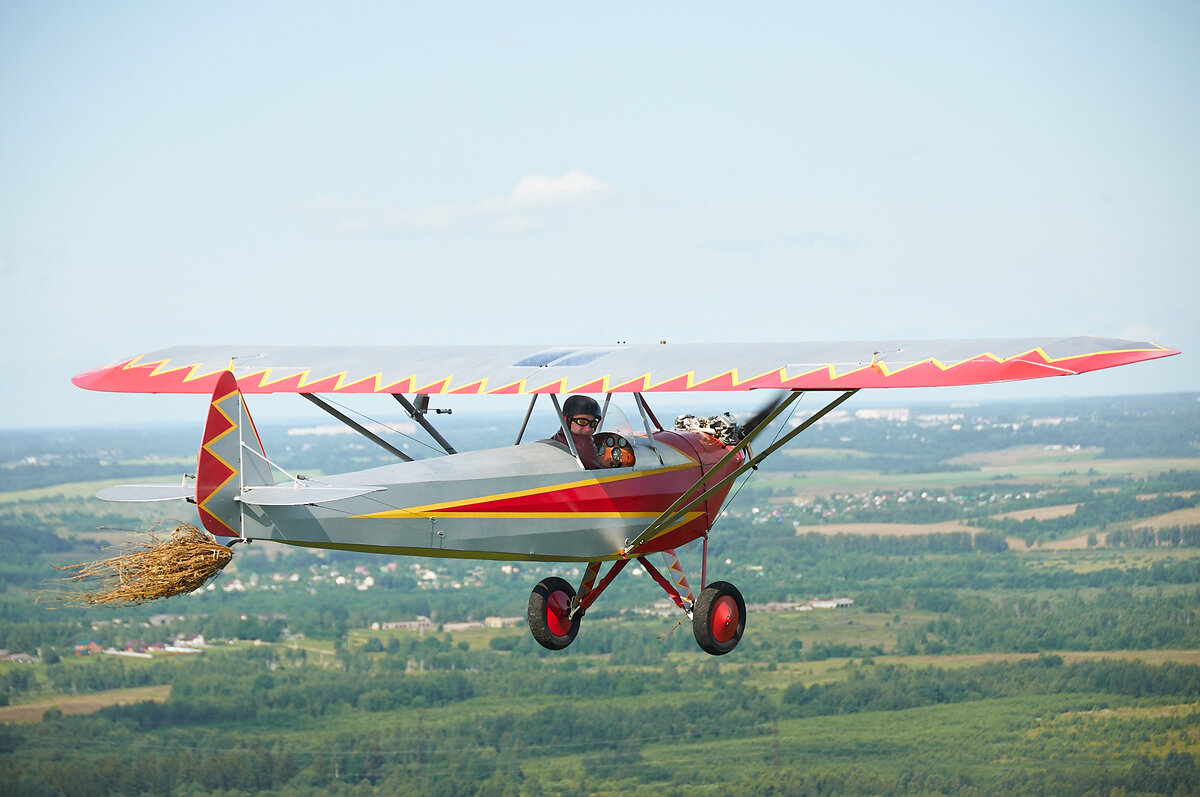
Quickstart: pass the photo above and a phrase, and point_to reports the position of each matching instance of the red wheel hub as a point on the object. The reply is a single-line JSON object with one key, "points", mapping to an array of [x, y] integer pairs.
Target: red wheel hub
{"points": [[723, 619], [558, 610]]}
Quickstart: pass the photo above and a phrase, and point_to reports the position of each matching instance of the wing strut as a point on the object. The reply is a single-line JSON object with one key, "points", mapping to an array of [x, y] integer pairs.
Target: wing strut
{"points": [[525, 423], [419, 417], [562, 422], [676, 511], [643, 409], [604, 410], [358, 427]]}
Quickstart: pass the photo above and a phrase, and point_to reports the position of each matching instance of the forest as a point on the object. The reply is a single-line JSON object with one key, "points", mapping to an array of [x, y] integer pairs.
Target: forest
{"points": [[1024, 620]]}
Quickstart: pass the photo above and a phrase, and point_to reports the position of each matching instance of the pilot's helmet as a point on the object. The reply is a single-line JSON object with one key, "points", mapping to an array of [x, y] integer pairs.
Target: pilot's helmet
{"points": [[581, 405]]}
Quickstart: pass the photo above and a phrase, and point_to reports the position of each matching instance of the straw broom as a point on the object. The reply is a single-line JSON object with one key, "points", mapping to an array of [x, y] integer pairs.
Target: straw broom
{"points": [[149, 569]]}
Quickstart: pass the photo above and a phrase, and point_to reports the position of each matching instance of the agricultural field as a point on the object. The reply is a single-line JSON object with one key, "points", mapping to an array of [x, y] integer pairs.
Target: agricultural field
{"points": [[1024, 621]]}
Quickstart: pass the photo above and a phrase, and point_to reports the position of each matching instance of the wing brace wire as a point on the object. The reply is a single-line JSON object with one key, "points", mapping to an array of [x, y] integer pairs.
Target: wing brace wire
{"points": [[358, 427], [419, 417], [683, 504], [656, 525]]}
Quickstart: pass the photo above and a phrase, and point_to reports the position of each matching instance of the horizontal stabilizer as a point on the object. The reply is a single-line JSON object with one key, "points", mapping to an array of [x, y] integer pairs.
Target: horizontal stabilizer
{"points": [[146, 492], [300, 493]]}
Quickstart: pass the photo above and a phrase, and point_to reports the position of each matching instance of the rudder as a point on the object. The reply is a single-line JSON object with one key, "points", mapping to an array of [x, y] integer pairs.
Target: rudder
{"points": [[231, 457]]}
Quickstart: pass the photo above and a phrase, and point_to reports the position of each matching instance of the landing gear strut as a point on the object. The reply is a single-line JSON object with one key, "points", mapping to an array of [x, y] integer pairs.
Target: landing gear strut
{"points": [[718, 614]]}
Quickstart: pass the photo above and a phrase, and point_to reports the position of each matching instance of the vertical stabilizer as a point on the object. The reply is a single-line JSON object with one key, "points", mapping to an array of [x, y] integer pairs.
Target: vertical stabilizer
{"points": [[231, 457]]}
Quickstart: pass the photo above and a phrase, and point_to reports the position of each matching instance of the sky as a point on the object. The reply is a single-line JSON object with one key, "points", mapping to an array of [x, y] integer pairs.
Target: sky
{"points": [[554, 173]]}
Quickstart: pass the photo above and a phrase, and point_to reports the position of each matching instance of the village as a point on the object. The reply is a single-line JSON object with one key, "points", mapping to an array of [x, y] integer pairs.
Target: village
{"points": [[194, 643]]}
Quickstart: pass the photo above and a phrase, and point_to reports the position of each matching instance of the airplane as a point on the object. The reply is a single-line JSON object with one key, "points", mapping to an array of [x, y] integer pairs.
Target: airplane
{"points": [[535, 500]]}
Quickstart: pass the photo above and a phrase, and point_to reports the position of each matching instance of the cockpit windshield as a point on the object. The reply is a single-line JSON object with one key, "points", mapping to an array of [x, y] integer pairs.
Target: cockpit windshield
{"points": [[615, 420]]}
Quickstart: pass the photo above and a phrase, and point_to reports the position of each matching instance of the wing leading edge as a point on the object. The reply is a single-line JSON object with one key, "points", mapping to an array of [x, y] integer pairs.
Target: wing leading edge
{"points": [[643, 368]]}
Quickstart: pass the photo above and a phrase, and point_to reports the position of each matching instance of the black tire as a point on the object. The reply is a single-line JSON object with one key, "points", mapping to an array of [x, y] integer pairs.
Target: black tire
{"points": [[549, 604], [719, 618]]}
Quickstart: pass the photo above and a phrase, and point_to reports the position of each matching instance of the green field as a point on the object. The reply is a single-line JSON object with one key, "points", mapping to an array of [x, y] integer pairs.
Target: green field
{"points": [[1054, 656], [1020, 466]]}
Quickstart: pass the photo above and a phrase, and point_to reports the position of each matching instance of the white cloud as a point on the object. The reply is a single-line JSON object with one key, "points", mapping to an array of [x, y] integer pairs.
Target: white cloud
{"points": [[524, 209], [576, 187], [513, 224], [435, 218], [327, 204], [1142, 332]]}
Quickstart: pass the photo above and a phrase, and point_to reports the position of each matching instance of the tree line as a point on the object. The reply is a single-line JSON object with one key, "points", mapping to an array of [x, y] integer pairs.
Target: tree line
{"points": [[208, 739]]}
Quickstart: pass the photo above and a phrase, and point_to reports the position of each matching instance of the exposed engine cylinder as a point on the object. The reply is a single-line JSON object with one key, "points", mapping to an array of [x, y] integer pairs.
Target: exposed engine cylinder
{"points": [[724, 427]]}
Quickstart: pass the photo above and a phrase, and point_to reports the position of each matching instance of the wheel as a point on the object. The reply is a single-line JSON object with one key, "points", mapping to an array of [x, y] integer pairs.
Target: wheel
{"points": [[719, 618], [549, 613]]}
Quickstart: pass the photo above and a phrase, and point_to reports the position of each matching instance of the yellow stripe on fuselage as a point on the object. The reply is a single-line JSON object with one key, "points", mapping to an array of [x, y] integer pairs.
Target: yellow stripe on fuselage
{"points": [[426, 510], [397, 513]]}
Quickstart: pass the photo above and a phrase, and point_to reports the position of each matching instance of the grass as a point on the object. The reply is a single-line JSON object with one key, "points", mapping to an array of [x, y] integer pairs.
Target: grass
{"points": [[889, 529], [1180, 517], [1017, 455], [70, 491], [1093, 560], [83, 704], [977, 742], [1038, 513], [1015, 469]]}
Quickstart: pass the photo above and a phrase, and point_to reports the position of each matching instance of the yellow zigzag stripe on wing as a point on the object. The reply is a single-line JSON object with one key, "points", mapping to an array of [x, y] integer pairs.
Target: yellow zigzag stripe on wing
{"points": [[561, 387], [160, 368], [444, 384], [430, 509], [478, 384], [520, 385], [887, 371], [649, 385]]}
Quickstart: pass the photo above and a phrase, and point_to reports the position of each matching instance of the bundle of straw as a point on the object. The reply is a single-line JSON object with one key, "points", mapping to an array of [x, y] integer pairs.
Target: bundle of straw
{"points": [[149, 569]]}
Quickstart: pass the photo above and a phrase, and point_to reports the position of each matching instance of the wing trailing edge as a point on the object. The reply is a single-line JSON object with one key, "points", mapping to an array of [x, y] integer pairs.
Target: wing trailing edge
{"points": [[141, 493]]}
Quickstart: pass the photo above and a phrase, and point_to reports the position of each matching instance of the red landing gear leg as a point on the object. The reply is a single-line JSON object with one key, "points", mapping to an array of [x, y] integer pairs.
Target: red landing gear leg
{"points": [[675, 583], [718, 615], [588, 593], [555, 609], [585, 586]]}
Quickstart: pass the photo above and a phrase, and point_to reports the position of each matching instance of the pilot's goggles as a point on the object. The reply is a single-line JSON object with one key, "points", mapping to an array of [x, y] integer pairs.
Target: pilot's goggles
{"points": [[592, 422]]}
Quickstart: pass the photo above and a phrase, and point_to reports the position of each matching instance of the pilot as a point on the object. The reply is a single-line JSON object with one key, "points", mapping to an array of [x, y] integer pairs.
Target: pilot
{"points": [[582, 415]]}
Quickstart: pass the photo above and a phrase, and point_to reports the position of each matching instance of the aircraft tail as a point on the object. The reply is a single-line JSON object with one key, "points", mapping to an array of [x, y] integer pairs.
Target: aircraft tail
{"points": [[231, 458], [234, 472]]}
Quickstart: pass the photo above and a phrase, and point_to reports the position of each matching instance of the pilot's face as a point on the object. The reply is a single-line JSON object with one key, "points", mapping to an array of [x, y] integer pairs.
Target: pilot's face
{"points": [[583, 424]]}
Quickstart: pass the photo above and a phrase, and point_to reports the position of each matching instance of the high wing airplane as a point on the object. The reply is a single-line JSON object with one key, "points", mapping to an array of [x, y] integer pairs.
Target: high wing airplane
{"points": [[535, 500]]}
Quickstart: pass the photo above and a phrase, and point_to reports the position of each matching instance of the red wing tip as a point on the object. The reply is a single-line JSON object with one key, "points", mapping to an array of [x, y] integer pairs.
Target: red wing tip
{"points": [[88, 380], [1160, 351]]}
